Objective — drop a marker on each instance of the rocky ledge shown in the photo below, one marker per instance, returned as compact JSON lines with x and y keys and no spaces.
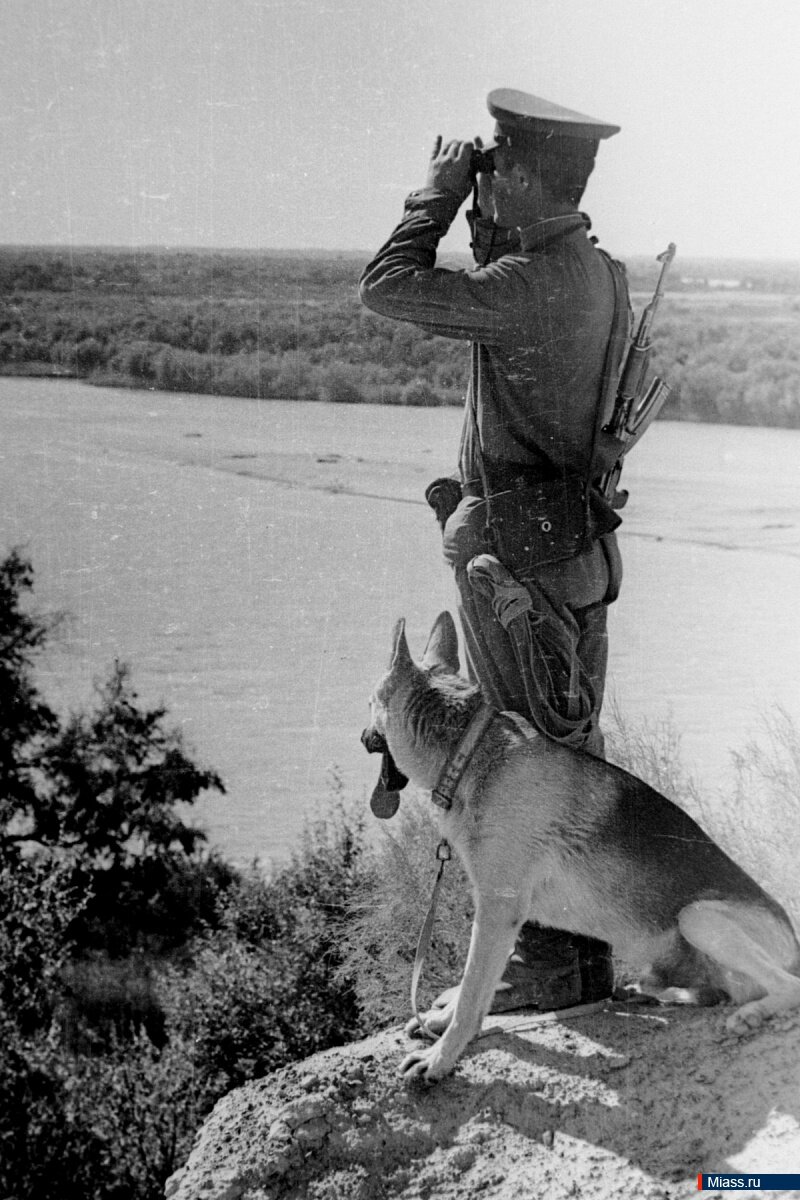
{"x":627,"y":1102}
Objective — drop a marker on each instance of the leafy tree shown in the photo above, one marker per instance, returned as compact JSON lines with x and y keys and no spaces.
{"x":27,"y":723}
{"x":102,"y":791}
{"x":112,"y":780}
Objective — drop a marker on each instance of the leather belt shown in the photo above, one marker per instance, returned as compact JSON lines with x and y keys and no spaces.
{"x":510,"y":477}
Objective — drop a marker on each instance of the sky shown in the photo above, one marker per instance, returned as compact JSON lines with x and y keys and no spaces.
{"x":304,"y":123}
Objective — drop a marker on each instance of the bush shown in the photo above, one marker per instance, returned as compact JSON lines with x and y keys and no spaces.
{"x":268,"y":986}
{"x":88,"y":355}
{"x":43,"y":1139}
{"x":102,"y":1127}
{"x":420,"y":394}
{"x":143,"y":1104}
{"x":38,"y":906}
{"x":342,"y":384}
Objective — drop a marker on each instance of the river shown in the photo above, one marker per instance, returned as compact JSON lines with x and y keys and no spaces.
{"x":249,"y":559}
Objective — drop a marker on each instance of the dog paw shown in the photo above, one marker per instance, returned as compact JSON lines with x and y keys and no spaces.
{"x":425,"y":1065}
{"x":746,"y":1019}
{"x":417,"y":1029}
{"x":448,"y":998}
{"x":434,"y":1023}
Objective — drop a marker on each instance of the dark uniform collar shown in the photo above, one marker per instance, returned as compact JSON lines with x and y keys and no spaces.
{"x":552,"y":229}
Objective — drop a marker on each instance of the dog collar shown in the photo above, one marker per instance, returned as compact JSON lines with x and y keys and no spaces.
{"x":450,"y":777}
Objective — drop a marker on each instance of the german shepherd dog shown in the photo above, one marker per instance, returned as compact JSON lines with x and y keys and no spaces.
{"x":553,"y":835}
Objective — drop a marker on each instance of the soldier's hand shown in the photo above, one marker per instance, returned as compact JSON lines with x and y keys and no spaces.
{"x":449,"y":168}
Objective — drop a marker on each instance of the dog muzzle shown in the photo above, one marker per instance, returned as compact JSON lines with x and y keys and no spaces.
{"x":385,"y":798}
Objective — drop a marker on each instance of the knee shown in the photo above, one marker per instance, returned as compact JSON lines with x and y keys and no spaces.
{"x":693,"y":920}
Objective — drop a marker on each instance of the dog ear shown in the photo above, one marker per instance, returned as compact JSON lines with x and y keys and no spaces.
{"x":442,"y":647}
{"x":401,"y":655}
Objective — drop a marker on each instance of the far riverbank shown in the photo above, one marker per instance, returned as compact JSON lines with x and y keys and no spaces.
{"x":269,"y":325}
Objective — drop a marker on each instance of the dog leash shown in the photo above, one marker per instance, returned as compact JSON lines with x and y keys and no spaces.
{"x":443,"y":855}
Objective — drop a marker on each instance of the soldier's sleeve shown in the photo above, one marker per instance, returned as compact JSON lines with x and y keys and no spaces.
{"x":403,"y":281}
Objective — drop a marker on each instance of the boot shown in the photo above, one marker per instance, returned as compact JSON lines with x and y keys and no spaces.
{"x":550,"y":969}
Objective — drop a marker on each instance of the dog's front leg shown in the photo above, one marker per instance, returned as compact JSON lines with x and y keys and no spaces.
{"x":497,"y":922}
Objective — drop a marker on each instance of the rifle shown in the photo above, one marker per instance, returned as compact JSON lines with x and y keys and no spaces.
{"x":634,"y":412}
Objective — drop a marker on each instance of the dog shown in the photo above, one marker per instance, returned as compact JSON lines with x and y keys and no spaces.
{"x":554,"y":835}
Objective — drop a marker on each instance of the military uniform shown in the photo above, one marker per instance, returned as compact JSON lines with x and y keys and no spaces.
{"x":539,"y":309}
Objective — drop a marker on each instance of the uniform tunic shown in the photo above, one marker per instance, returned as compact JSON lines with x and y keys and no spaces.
{"x":539,"y":315}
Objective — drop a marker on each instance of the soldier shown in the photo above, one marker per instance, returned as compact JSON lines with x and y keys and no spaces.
{"x":525,"y":528}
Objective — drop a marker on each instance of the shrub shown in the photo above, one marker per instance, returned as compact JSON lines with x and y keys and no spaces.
{"x":239,"y":375}
{"x":88,"y":354}
{"x":295,"y":379}
{"x":268,"y":986}
{"x":144,"y":1104}
{"x":38,"y":906}
{"x":44,"y":1141}
{"x":41,"y":1138}
{"x":342,"y":384}
{"x":420,"y":394}
{"x":102,"y":1127}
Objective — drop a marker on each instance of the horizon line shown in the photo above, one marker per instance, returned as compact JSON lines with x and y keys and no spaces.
{"x":328,"y":252}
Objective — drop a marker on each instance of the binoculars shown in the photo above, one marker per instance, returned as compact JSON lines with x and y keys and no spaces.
{"x":481,"y":162}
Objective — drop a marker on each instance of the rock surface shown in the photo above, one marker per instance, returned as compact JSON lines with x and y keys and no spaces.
{"x":627,"y":1102}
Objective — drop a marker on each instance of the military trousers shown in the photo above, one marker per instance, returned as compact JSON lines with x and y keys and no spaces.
{"x":539,"y":645}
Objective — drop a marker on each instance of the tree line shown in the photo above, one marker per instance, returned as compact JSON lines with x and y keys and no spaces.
{"x":290,"y":326}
